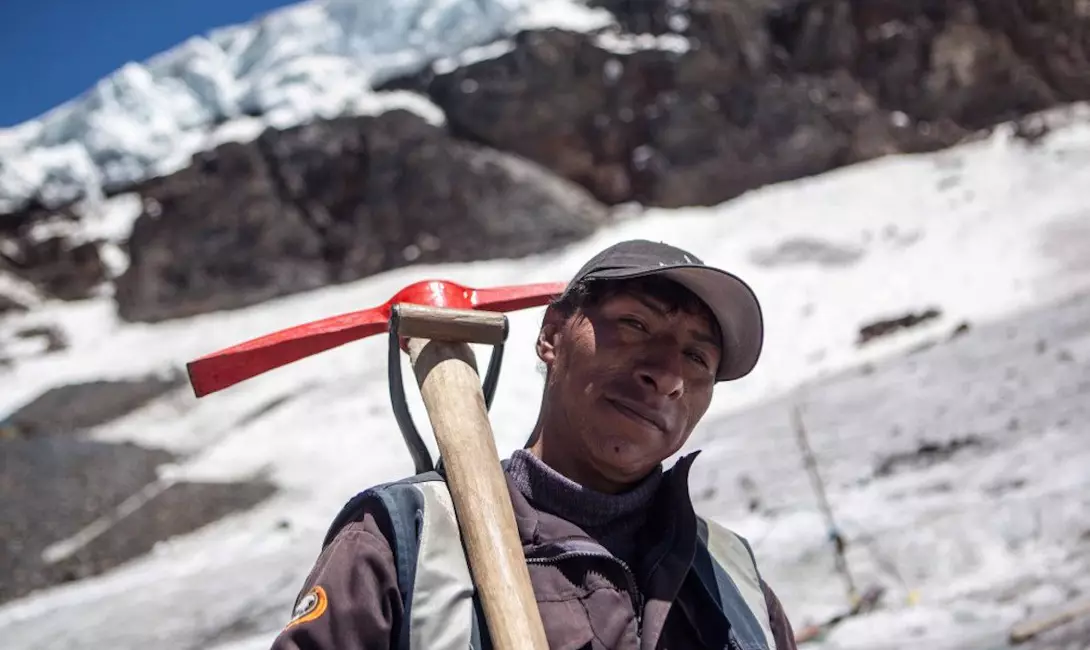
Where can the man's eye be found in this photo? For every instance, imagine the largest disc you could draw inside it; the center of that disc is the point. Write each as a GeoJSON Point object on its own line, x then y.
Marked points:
{"type": "Point", "coordinates": [632, 322]}
{"type": "Point", "coordinates": [697, 357]}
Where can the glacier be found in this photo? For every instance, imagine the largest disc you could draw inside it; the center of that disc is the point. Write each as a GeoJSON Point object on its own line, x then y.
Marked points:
{"type": "Point", "coordinates": [312, 60]}
{"type": "Point", "coordinates": [993, 233]}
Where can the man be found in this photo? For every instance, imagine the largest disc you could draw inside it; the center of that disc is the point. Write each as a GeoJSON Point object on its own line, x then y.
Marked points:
{"type": "Point", "coordinates": [617, 556]}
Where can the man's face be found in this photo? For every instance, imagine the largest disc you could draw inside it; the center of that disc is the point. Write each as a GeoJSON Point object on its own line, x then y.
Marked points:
{"type": "Point", "coordinates": [632, 377]}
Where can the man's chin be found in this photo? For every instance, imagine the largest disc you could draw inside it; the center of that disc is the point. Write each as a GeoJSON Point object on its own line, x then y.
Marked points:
{"type": "Point", "coordinates": [627, 424]}
{"type": "Point", "coordinates": [623, 459]}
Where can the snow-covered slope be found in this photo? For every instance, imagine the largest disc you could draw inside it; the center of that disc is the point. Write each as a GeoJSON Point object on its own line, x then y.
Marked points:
{"type": "Point", "coordinates": [984, 232]}
{"type": "Point", "coordinates": [316, 59]}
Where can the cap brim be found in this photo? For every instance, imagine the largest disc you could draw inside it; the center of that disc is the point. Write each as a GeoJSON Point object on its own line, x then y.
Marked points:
{"type": "Point", "coordinates": [731, 301]}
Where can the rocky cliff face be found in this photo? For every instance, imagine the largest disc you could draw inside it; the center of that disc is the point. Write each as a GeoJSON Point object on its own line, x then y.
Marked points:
{"type": "Point", "coordinates": [692, 102]}
{"type": "Point", "coordinates": [722, 96]}
{"type": "Point", "coordinates": [335, 201]}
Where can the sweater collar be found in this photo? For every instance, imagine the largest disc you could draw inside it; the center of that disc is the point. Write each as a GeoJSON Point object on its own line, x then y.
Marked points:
{"type": "Point", "coordinates": [549, 490]}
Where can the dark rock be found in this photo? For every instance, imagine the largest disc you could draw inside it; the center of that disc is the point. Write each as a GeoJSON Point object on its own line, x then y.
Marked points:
{"type": "Point", "coordinates": [55, 338]}
{"type": "Point", "coordinates": [1031, 130]}
{"type": "Point", "coordinates": [888, 326]}
{"type": "Point", "coordinates": [73, 407]}
{"type": "Point", "coordinates": [66, 270]}
{"type": "Point", "coordinates": [52, 487]}
{"type": "Point", "coordinates": [740, 94]}
{"type": "Point", "coordinates": [37, 244]}
{"type": "Point", "coordinates": [214, 235]}
{"type": "Point", "coordinates": [972, 62]}
{"type": "Point", "coordinates": [751, 491]}
{"type": "Point", "coordinates": [928, 453]}
{"type": "Point", "coordinates": [336, 201]}
{"type": "Point", "coordinates": [16, 294]}
{"type": "Point", "coordinates": [961, 330]}
{"type": "Point", "coordinates": [11, 305]}
{"type": "Point", "coordinates": [741, 34]}
{"type": "Point", "coordinates": [664, 127]}
{"type": "Point", "coordinates": [764, 91]}
{"type": "Point", "coordinates": [56, 264]}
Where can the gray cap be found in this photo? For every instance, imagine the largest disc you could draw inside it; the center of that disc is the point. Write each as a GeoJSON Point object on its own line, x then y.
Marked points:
{"type": "Point", "coordinates": [731, 300]}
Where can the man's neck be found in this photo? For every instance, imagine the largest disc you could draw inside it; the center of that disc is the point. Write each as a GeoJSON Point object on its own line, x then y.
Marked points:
{"type": "Point", "coordinates": [571, 466]}
{"type": "Point", "coordinates": [613, 520]}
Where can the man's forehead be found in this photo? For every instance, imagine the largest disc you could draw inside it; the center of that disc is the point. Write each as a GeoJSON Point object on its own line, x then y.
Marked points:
{"type": "Point", "coordinates": [668, 304]}
{"type": "Point", "coordinates": [652, 300]}
{"type": "Point", "coordinates": [664, 296]}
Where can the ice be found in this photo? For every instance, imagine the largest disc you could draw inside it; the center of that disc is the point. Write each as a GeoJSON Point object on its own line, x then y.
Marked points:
{"type": "Point", "coordinates": [992, 233]}
{"type": "Point", "coordinates": [315, 59]}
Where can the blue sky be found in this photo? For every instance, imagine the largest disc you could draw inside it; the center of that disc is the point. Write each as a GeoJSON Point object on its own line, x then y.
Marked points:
{"type": "Point", "coordinates": [53, 50]}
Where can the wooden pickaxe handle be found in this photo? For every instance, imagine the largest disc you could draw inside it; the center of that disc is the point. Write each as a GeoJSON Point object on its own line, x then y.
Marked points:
{"type": "Point", "coordinates": [446, 371]}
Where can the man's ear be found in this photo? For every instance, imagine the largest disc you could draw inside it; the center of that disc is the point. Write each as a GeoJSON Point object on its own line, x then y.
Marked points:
{"type": "Point", "coordinates": [548, 337]}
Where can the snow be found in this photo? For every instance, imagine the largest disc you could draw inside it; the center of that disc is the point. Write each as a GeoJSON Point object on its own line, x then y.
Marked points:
{"type": "Point", "coordinates": [992, 233]}
{"type": "Point", "coordinates": [108, 222]}
{"type": "Point", "coordinates": [17, 291]}
{"type": "Point", "coordinates": [472, 55]}
{"type": "Point", "coordinates": [315, 59]}
{"type": "Point", "coordinates": [620, 43]}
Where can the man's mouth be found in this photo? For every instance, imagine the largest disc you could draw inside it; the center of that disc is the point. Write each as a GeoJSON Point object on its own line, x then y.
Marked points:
{"type": "Point", "coordinates": [640, 414]}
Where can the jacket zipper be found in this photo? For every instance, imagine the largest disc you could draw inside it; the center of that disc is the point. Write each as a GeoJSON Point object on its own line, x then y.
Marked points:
{"type": "Point", "coordinates": [633, 588]}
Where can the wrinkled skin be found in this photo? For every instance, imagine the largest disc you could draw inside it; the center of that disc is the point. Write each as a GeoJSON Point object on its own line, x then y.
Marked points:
{"type": "Point", "coordinates": [627, 381]}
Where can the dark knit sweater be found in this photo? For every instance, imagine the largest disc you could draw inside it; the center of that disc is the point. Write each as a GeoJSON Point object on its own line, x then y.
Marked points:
{"type": "Point", "coordinates": [612, 519]}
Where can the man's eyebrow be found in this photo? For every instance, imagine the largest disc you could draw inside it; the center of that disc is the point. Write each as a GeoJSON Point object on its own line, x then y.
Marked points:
{"type": "Point", "coordinates": [652, 304]}
{"type": "Point", "coordinates": [704, 337]}
{"type": "Point", "coordinates": [699, 335]}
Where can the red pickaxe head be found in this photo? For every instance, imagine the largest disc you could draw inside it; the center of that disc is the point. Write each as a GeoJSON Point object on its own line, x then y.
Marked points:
{"type": "Point", "coordinates": [238, 363]}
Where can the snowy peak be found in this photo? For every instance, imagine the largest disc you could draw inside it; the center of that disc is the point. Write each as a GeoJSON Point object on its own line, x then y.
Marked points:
{"type": "Point", "coordinates": [310, 60]}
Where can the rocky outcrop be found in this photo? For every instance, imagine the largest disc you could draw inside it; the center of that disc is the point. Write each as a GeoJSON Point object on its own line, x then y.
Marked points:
{"type": "Point", "coordinates": [57, 488]}
{"type": "Point", "coordinates": [692, 102]}
{"type": "Point", "coordinates": [664, 128]}
{"type": "Point", "coordinates": [331, 202]}
{"type": "Point", "coordinates": [720, 97]}
{"type": "Point", "coordinates": [72, 408]}
{"type": "Point", "coordinates": [37, 246]}
{"type": "Point", "coordinates": [968, 62]}
{"type": "Point", "coordinates": [16, 295]}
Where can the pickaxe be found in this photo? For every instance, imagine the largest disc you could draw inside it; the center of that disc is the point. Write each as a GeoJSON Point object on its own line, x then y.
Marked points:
{"type": "Point", "coordinates": [434, 321]}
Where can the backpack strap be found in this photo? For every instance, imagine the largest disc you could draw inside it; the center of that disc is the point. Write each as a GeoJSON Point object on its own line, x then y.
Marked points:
{"type": "Point", "coordinates": [437, 591]}
{"type": "Point", "coordinates": [442, 609]}
{"type": "Point", "coordinates": [726, 566]}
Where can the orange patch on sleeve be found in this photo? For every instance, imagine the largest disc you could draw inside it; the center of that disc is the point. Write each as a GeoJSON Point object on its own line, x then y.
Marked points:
{"type": "Point", "coordinates": [312, 606]}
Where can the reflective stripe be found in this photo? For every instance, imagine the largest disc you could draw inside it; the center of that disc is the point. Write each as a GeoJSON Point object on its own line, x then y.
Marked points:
{"type": "Point", "coordinates": [441, 615]}
{"type": "Point", "coordinates": [732, 554]}
{"type": "Point", "coordinates": [438, 592]}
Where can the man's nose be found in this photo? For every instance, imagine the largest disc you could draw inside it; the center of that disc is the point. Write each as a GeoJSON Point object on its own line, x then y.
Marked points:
{"type": "Point", "coordinates": [661, 372]}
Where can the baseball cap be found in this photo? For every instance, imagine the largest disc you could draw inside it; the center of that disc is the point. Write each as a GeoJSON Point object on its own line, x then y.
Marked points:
{"type": "Point", "coordinates": [731, 301]}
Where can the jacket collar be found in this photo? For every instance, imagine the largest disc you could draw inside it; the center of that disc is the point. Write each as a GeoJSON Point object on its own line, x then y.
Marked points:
{"type": "Point", "coordinates": [669, 545]}
{"type": "Point", "coordinates": [670, 548]}
{"type": "Point", "coordinates": [672, 504]}
{"type": "Point", "coordinates": [673, 497]}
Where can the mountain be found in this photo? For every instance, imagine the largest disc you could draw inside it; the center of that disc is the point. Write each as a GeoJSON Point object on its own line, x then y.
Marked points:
{"type": "Point", "coordinates": [309, 61]}
{"type": "Point", "coordinates": [663, 103]}
{"type": "Point", "coordinates": [900, 181]}
{"type": "Point", "coordinates": [954, 451]}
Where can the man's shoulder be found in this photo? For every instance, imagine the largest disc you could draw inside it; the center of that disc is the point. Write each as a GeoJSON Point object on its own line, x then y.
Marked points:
{"type": "Point", "coordinates": [388, 502]}
{"type": "Point", "coordinates": [394, 487]}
